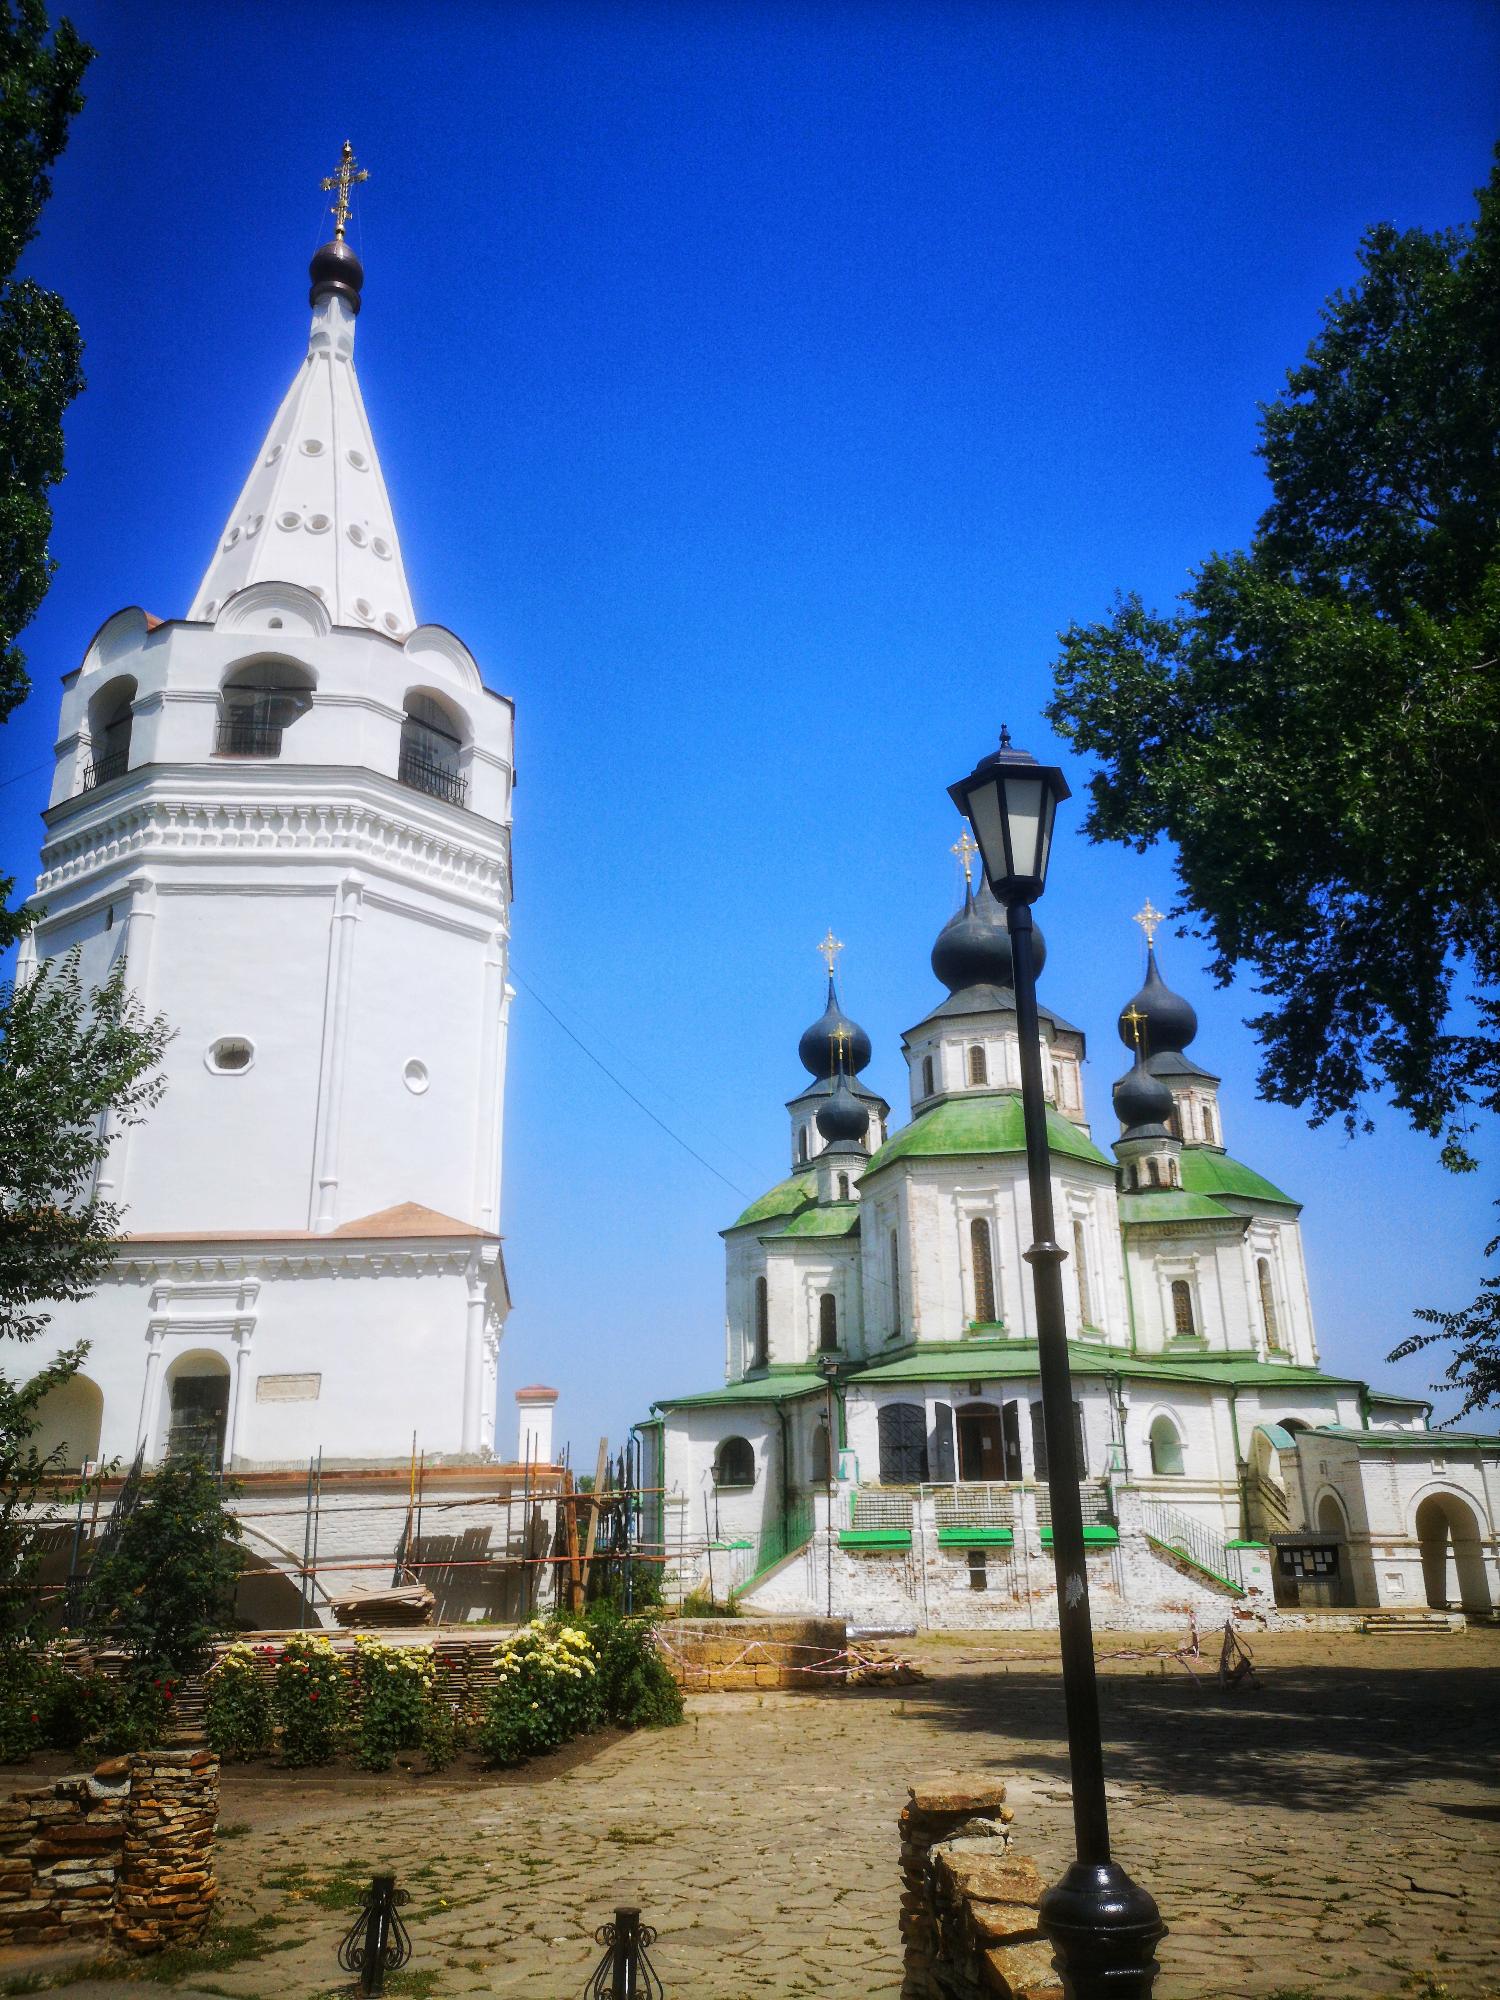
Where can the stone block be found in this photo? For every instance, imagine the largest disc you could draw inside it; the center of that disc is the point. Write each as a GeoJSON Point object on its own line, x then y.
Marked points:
{"type": "Point", "coordinates": [942, 1796]}
{"type": "Point", "coordinates": [991, 1878]}
{"type": "Point", "coordinates": [1002, 1923]}
{"type": "Point", "coordinates": [1022, 1972]}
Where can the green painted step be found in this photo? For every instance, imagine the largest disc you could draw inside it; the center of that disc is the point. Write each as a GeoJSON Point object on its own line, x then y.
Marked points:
{"type": "Point", "coordinates": [1097, 1536]}
{"type": "Point", "coordinates": [976, 1538]}
{"type": "Point", "coordinates": [875, 1538]}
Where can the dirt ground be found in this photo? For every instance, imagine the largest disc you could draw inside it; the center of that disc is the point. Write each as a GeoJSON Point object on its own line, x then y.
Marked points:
{"type": "Point", "coordinates": [1333, 1831]}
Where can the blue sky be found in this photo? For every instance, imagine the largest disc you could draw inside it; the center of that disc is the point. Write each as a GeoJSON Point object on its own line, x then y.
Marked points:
{"type": "Point", "coordinates": [760, 390]}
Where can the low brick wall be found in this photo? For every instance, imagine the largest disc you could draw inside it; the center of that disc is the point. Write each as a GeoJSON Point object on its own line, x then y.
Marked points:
{"type": "Point", "coordinates": [969, 1903]}
{"type": "Point", "coordinates": [720, 1653]}
{"type": "Point", "coordinates": [123, 1853]}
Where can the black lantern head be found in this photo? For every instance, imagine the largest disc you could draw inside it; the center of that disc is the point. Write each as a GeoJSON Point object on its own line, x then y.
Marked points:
{"type": "Point", "coordinates": [1010, 800]}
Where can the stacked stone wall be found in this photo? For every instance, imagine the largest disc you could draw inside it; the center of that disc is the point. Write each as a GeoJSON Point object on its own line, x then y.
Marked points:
{"type": "Point", "coordinates": [123, 1853]}
{"type": "Point", "coordinates": [969, 1924]}
{"type": "Point", "coordinates": [715, 1654]}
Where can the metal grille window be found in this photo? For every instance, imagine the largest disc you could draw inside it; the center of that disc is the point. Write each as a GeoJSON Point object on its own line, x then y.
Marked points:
{"type": "Point", "coordinates": [927, 1076]}
{"type": "Point", "coordinates": [1267, 1302]}
{"type": "Point", "coordinates": [903, 1444]}
{"type": "Point", "coordinates": [981, 1252]}
{"type": "Point", "coordinates": [735, 1464]}
{"type": "Point", "coordinates": [1183, 1323]}
{"type": "Point", "coordinates": [979, 1068]}
{"type": "Point", "coordinates": [432, 750]}
{"type": "Point", "coordinates": [258, 704]}
{"type": "Point", "coordinates": [762, 1347]}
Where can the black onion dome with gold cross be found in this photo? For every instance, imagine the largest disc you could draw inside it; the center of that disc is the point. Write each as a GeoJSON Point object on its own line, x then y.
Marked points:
{"type": "Point", "coordinates": [335, 269]}
{"type": "Point", "coordinates": [834, 1047]}
{"type": "Point", "coordinates": [1156, 1021]}
{"type": "Point", "coordinates": [971, 954]}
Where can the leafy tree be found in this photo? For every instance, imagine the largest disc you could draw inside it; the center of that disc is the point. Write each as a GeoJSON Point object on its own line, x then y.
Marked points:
{"type": "Point", "coordinates": [1316, 727]}
{"type": "Point", "coordinates": [76, 1068]}
{"type": "Point", "coordinates": [1474, 1365]}
{"type": "Point", "coordinates": [165, 1590]}
{"type": "Point", "coordinates": [40, 345]}
{"type": "Point", "coordinates": [24, 1517]}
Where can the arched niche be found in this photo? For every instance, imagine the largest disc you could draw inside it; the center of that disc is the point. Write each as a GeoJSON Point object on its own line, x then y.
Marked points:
{"type": "Point", "coordinates": [70, 1420]}
{"type": "Point", "coordinates": [734, 1462]}
{"type": "Point", "coordinates": [1165, 1439]}
{"type": "Point", "coordinates": [111, 716]}
{"type": "Point", "coordinates": [437, 740]}
{"type": "Point", "coordinates": [194, 1417]}
{"type": "Point", "coordinates": [1454, 1572]}
{"type": "Point", "coordinates": [260, 699]}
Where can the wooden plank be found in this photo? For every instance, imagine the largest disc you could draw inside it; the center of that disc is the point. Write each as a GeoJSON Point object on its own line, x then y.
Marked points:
{"type": "Point", "coordinates": [600, 1474]}
{"type": "Point", "coordinates": [575, 1561]}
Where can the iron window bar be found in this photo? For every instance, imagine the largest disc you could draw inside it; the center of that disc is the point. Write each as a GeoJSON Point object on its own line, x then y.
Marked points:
{"type": "Point", "coordinates": [246, 736]}
{"type": "Point", "coordinates": [423, 775]}
{"type": "Point", "coordinates": [102, 769]}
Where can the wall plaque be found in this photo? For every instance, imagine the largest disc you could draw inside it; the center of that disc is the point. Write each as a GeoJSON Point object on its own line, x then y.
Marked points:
{"type": "Point", "coordinates": [287, 1388]}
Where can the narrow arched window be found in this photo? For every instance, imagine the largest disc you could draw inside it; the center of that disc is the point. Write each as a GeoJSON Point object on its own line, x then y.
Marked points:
{"type": "Point", "coordinates": [111, 714]}
{"type": "Point", "coordinates": [762, 1345]}
{"type": "Point", "coordinates": [843, 1187]}
{"type": "Point", "coordinates": [1154, 1171]}
{"type": "Point", "coordinates": [1166, 1448]}
{"type": "Point", "coordinates": [1182, 1308]}
{"type": "Point", "coordinates": [895, 1266]}
{"type": "Point", "coordinates": [735, 1463]}
{"type": "Point", "coordinates": [1174, 1123]}
{"type": "Point", "coordinates": [828, 1323]}
{"type": "Point", "coordinates": [1208, 1127]}
{"type": "Point", "coordinates": [1057, 1085]}
{"type": "Point", "coordinates": [822, 1457]}
{"type": "Point", "coordinates": [802, 1147]}
{"type": "Point", "coordinates": [979, 1069]}
{"type": "Point", "coordinates": [1267, 1302]}
{"type": "Point", "coordinates": [981, 1252]}
{"type": "Point", "coordinates": [432, 748]}
{"type": "Point", "coordinates": [927, 1077]}
{"type": "Point", "coordinates": [1081, 1269]}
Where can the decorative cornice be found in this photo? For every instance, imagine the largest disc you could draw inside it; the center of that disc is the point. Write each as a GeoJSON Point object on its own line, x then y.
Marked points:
{"type": "Point", "coordinates": [322, 1257]}
{"type": "Point", "coordinates": [149, 829]}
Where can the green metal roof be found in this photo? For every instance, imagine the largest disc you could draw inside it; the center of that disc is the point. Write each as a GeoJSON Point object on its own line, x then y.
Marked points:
{"type": "Point", "coordinates": [772, 1388]}
{"type": "Point", "coordinates": [834, 1218]}
{"type": "Point", "coordinates": [1205, 1171]}
{"type": "Point", "coordinates": [1173, 1205]}
{"type": "Point", "coordinates": [783, 1199]}
{"type": "Point", "coordinates": [1423, 1441]}
{"type": "Point", "coordinates": [987, 1123]}
{"type": "Point", "coordinates": [958, 1361]}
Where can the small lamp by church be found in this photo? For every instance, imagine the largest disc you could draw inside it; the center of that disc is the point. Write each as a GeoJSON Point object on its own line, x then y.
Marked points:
{"type": "Point", "coordinates": [1011, 800]}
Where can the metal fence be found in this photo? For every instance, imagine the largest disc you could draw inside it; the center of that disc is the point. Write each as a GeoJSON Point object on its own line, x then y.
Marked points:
{"type": "Point", "coordinates": [1203, 1546]}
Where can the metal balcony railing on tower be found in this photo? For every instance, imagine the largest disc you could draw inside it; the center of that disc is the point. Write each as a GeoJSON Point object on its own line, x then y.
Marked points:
{"type": "Point", "coordinates": [102, 769]}
{"type": "Point", "coordinates": [423, 775]}
{"type": "Point", "coordinates": [245, 736]}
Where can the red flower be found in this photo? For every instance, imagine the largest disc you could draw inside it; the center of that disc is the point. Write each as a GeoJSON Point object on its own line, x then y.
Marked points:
{"type": "Point", "coordinates": [35, 1717]}
{"type": "Point", "coordinates": [313, 1695]}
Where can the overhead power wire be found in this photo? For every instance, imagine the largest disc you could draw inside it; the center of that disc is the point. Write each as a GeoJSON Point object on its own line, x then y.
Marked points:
{"type": "Point", "coordinates": [639, 1103]}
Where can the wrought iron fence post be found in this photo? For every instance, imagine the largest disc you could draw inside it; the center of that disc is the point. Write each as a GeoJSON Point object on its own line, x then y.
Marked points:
{"type": "Point", "coordinates": [377, 1941]}
{"type": "Point", "coordinates": [624, 1972]}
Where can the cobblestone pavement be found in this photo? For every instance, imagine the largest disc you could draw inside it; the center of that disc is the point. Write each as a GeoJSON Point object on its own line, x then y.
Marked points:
{"type": "Point", "coordinates": [1334, 1832]}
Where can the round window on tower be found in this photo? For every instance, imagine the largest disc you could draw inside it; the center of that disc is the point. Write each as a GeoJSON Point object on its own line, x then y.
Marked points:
{"type": "Point", "coordinates": [313, 447]}
{"type": "Point", "coordinates": [382, 548]}
{"type": "Point", "coordinates": [392, 622]}
{"type": "Point", "coordinates": [356, 534]}
{"type": "Point", "coordinates": [230, 1055]}
{"type": "Point", "coordinates": [290, 519]}
{"type": "Point", "coordinates": [358, 460]}
{"type": "Point", "coordinates": [363, 606]}
{"type": "Point", "coordinates": [318, 524]}
{"type": "Point", "coordinates": [231, 538]}
{"type": "Point", "coordinates": [414, 1076]}
{"type": "Point", "coordinates": [274, 453]}
{"type": "Point", "coordinates": [252, 526]}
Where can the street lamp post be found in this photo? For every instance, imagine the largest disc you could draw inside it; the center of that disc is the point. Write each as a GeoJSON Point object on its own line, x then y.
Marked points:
{"type": "Point", "coordinates": [1103, 1927]}
{"type": "Point", "coordinates": [828, 1368]}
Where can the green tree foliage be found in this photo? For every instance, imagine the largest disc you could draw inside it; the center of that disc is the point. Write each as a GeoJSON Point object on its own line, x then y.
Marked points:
{"type": "Point", "coordinates": [24, 1514]}
{"type": "Point", "coordinates": [1474, 1335]}
{"type": "Point", "coordinates": [76, 1069]}
{"type": "Point", "coordinates": [1316, 727]}
{"type": "Point", "coordinates": [165, 1591]}
{"type": "Point", "coordinates": [40, 346]}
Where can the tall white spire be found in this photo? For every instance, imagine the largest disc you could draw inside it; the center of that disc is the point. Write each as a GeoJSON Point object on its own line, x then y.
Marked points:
{"type": "Point", "coordinates": [314, 510]}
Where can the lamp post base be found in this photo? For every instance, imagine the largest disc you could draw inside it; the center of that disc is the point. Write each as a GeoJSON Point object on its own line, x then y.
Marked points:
{"type": "Point", "coordinates": [1105, 1931]}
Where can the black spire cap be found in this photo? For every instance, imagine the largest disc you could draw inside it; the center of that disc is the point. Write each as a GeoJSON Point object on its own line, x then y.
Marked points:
{"type": "Point", "coordinates": [973, 947]}
{"type": "Point", "coordinates": [335, 269]}
{"type": "Point", "coordinates": [834, 1041]}
{"type": "Point", "coordinates": [1143, 1103]}
{"type": "Point", "coordinates": [1157, 1019]}
{"type": "Point", "coordinates": [842, 1119]}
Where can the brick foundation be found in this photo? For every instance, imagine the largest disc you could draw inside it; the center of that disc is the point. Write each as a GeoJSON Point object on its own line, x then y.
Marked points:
{"type": "Point", "coordinates": [968, 1902]}
{"type": "Point", "coordinates": [124, 1853]}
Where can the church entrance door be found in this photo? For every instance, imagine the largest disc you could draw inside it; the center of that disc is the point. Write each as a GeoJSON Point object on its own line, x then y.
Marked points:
{"type": "Point", "coordinates": [981, 1451]}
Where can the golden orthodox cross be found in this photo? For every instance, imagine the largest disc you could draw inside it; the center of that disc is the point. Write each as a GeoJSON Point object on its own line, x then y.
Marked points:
{"type": "Point", "coordinates": [841, 1041]}
{"type": "Point", "coordinates": [1135, 1017]}
{"type": "Point", "coordinates": [966, 847]}
{"type": "Point", "coordinates": [1149, 920]}
{"type": "Point", "coordinates": [830, 948]}
{"type": "Point", "coordinates": [349, 172]}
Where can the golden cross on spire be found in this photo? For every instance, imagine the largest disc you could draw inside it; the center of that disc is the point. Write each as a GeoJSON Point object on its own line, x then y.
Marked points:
{"type": "Point", "coordinates": [1150, 919]}
{"type": "Point", "coordinates": [966, 847]}
{"type": "Point", "coordinates": [1135, 1017]}
{"type": "Point", "coordinates": [830, 949]}
{"type": "Point", "coordinates": [349, 172]}
{"type": "Point", "coordinates": [841, 1039]}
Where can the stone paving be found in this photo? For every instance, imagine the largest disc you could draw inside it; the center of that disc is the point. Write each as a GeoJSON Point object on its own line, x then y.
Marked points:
{"type": "Point", "coordinates": [1334, 1832]}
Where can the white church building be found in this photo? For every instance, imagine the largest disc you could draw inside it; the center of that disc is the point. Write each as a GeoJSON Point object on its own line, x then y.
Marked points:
{"type": "Point", "coordinates": [876, 1446]}
{"type": "Point", "coordinates": [289, 813]}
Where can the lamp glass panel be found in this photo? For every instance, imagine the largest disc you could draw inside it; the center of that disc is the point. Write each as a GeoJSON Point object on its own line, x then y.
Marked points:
{"type": "Point", "coordinates": [983, 804]}
{"type": "Point", "coordinates": [1044, 849]}
{"type": "Point", "coordinates": [1025, 798]}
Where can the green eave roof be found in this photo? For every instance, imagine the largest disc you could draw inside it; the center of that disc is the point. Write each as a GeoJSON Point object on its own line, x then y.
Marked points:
{"type": "Point", "coordinates": [1205, 1171]}
{"type": "Point", "coordinates": [958, 1361]}
{"type": "Point", "coordinates": [1173, 1205]}
{"type": "Point", "coordinates": [777, 1387]}
{"type": "Point", "coordinates": [783, 1199]}
{"type": "Point", "coordinates": [990, 1123]}
{"type": "Point", "coordinates": [834, 1218]}
{"type": "Point", "coordinates": [1425, 1442]}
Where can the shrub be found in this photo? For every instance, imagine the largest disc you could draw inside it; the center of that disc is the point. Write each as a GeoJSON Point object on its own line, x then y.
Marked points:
{"type": "Point", "coordinates": [238, 1710]}
{"type": "Point", "coordinates": [165, 1590]}
{"type": "Point", "coordinates": [636, 1688]}
{"type": "Point", "coordinates": [395, 1689]}
{"type": "Point", "coordinates": [547, 1692]}
{"type": "Point", "coordinates": [27, 1701]}
{"type": "Point", "coordinates": [307, 1700]}
{"type": "Point", "coordinates": [701, 1603]}
{"type": "Point", "coordinates": [441, 1731]}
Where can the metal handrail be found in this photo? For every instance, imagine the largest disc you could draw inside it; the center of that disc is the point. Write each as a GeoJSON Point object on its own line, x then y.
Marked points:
{"type": "Point", "coordinates": [423, 775]}
{"type": "Point", "coordinates": [101, 769]}
{"type": "Point", "coordinates": [1192, 1538]}
{"type": "Point", "coordinates": [244, 736]}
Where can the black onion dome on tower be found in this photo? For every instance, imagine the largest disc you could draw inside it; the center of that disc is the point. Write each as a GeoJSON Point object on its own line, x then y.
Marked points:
{"type": "Point", "coordinates": [973, 947]}
{"type": "Point", "coordinates": [842, 1119]}
{"type": "Point", "coordinates": [335, 269]}
{"type": "Point", "coordinates": [1157, 1020]}
{"type": "Point", "coordinates": [834, 1041]}
{"type": "Point", "coordinates": [1143, 1103]}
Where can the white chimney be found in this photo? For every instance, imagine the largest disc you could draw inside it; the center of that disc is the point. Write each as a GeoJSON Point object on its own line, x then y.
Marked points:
{"type": "Point", "coordinates": [534, 1407]}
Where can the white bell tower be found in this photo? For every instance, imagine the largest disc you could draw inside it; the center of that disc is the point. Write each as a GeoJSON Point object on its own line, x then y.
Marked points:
{"type": "Point", "coordinates": [290, 812]}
